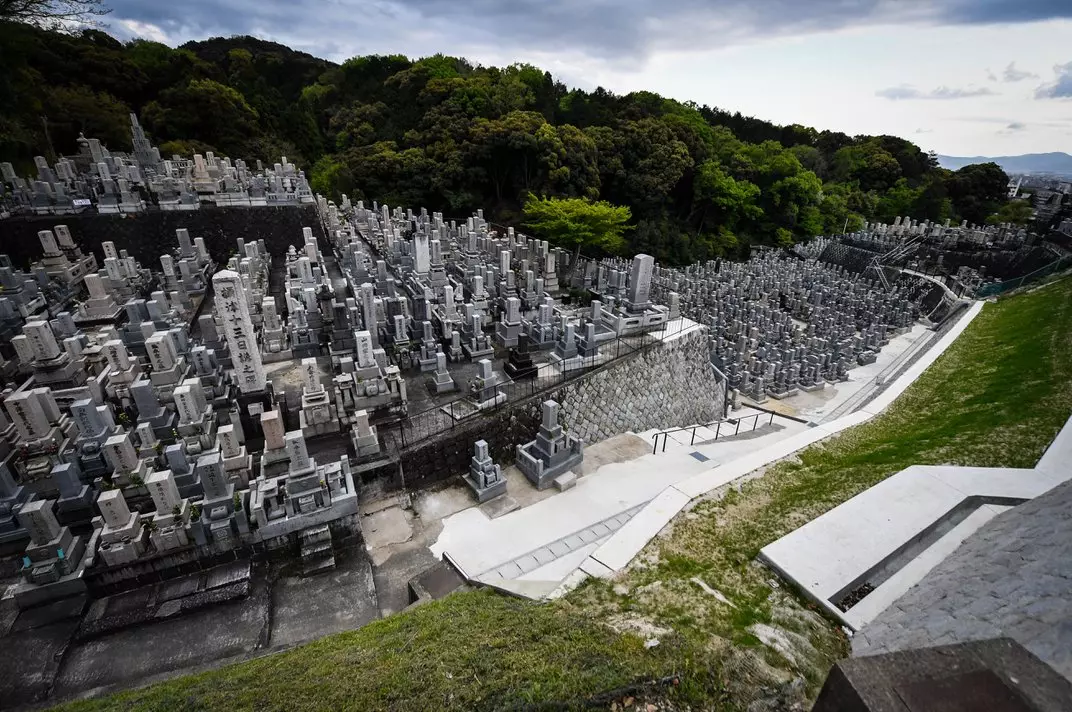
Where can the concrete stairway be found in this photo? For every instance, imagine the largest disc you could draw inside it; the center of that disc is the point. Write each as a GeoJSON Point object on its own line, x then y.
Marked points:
{"type": "Point", "coordinates": [317, 554]}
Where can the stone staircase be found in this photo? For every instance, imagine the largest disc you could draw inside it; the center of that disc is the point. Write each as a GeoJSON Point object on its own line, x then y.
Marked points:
{"type": "Point", "coordinates": [317, 554]}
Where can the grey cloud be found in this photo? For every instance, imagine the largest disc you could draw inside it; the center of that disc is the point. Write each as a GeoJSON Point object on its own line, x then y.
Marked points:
{"type": "Point", "coordinates": [623, 30]}
{"type": "Point", "coordinates": [1012, 74]}
{"type": "Point", "coordinates": [1061, 88]}
{"type": "Point", "coordinates": [1016, 126]}
{"type": "Point", "coordinates": [990, 75]}
{"type": "Point", "coordinates": [907, 91]}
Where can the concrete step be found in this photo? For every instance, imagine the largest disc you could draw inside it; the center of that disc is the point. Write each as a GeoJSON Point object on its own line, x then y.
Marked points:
{"type": "Point", "coordinates": [315, 548]}
{"type": "Point", "coordinates": [319, 533]}
{"type": "Point", "coordinates": [318, 564]}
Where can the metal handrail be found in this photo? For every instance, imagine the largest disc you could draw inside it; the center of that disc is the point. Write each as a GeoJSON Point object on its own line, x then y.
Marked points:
{"type": "Point", "coordinates": [718, 429]}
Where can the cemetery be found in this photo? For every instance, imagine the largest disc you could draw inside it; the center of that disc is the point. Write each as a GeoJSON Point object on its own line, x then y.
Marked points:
{"type": "Point", "coordinates": [403, 405]}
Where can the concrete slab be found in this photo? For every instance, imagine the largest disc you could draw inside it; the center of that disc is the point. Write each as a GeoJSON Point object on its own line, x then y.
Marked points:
{"type": "Point", "coordinates": [499, 506]}
{"type": "Point", "coordinates": [562, 566]}
{"type": "Point", "coordinates": [29, 662]}
{"type": "Point", "coordinates": [50, 613]}
{"type": "Point", "coordinates": [1059, 454]}
{"type": "Point", "coordinates": [441, 503]}
{"type": "Point", "coordinates": [189, 640]}
{"type": "Point", "coordinates": [913, 572]}
{"type": "Point", "coordinates": [623, 545]}
{"type": "Point", "coordinates": [306, 608]}
{"type": "Point", "coordinates": [227, 574]}
{"type": "Point", "coordinates": [533, 590]}
{"type": "Point", "coordinates": [831, 552]}
{"type": "Point", "coordinates": [177, 588]}
{"type": "Point", "coordinates": [594, 568]}
{"type": "Point", "coordinates": [388, 526]}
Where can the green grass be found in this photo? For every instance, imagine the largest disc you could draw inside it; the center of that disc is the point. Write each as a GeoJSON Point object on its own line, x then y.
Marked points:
{"type": "Point", "coordinates": [996, 398]}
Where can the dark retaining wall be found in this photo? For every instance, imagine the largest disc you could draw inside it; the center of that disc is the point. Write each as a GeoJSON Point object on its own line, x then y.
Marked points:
{"type": "Point", "coordinates": [148, 235]}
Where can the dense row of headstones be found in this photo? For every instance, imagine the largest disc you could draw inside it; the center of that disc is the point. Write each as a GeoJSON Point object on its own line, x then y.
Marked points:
{"type": "Point", "coordinates": [114, 182]}
{"type": "Point", "coordinates": [781, 324]}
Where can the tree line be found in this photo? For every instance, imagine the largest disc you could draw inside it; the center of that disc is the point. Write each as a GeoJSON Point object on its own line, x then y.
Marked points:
{"type": "Point", "coordinates": [452, 136]}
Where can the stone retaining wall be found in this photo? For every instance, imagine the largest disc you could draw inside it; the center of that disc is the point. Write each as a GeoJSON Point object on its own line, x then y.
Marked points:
{"type": "Point", "coordinates": [665, 386]}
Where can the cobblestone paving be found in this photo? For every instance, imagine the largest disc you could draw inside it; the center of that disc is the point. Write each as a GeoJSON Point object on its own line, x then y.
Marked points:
{"type": "Point", "coordinates": [1013, 577]}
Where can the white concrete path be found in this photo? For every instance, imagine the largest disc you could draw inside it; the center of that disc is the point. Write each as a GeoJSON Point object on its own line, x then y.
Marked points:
{"type": "Point", "coordinates": [481, 545]}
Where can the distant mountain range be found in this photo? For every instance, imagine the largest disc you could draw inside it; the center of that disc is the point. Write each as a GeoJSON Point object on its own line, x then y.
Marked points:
{"type": "Point", "coordinates": [1056, 163]}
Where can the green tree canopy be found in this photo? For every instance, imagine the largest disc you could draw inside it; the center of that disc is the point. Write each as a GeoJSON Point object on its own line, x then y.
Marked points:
{"type": "Point", "coordinates": [577, 223]}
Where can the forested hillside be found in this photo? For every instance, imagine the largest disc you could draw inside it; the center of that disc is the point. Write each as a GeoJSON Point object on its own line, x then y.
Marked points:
{"type": "Point", "coordinates": [445, 134]}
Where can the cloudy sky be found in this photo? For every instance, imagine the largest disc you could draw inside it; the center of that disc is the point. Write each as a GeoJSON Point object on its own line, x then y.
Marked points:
{"type": "Point", "coordinates": [961, 77]}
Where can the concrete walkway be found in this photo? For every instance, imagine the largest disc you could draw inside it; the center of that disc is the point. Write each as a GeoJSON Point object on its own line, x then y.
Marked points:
{"type": "Point", "coordinates": [484, 547]}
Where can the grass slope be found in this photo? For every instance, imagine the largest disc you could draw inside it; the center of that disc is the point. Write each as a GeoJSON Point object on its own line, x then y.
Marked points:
{"type": "Point", "coordinates": [728, 629]}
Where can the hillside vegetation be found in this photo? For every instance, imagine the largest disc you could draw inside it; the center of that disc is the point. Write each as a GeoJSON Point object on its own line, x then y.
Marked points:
{"type": "Point", "coordinates": [442, 133]}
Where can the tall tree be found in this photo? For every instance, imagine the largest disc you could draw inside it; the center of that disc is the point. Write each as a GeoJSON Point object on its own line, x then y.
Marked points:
{"type": "Point", "coordinates": [577, 223]}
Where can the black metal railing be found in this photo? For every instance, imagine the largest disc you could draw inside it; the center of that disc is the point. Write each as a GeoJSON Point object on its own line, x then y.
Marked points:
{"type": "Point", "coordinates": [733, 424]}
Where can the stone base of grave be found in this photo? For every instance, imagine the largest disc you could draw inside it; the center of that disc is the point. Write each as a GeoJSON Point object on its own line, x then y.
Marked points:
{"type": "Point", "coordinates": [270, 457]}
{"type": "Point", "coordinates": [28, 595]}
{"type": "Point", "coordinates": [238, 468]}
{"type": "Point", "coordinates": [162, 425]}
{"type": "Point", "coordinates": [189, 484]}
{"type": "Point", "coordinates": [311, 430]}
{"type": "Point", "coordinates": [250, 407]}
{"type": "Point", "coordinates": [867, 357]}
{"type": "Point", "coordinates": [477, 354]}
{"type": "Point", "coordinates": [498, 399]}
{"type": "Point", "coordinates": [437, 386]}
{"type": "Point", "coordinates": [541, 474]}
{"type": "Point", "coordinates": [521, 366]}
{"type": "Point", "coordinates": [205, 426]}
{"type": "Point", "coordinates": [367, 446]}
{"type": "Point", "coordinates": [780, 395]}
{"type": "Point", "coordinates": [79, 503]}
{"type": "Point", "coordinates": [500, 506]}
{"type": "Point", "coordinates": [277, 356]}
{"type": "Point", "coordinates": [506, 335]}
{"type": "Point", "coordinates": [565, 481]}
{"type": "Point", "coordinates": [427, 365]}
{"type": "Point", "coordinates": [813, 387]}
{"type": "Point", "coordinates": [487, 493]}
{"type": "Point", "coordinates": [305, 350]}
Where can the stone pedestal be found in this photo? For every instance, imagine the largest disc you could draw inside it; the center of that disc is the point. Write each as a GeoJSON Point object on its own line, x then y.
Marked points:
{"type": "Point", "coordinates": [551, 453]}
{"type": "Point", "coordinates": [485, 477]}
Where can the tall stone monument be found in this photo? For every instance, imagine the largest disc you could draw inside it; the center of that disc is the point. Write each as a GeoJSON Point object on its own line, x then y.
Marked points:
{"type": "Point", "coordinates": [253, 396]}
